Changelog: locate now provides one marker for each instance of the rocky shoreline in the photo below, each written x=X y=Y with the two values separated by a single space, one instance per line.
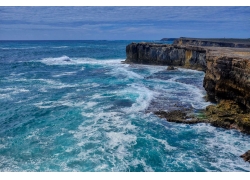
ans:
x=227 y=78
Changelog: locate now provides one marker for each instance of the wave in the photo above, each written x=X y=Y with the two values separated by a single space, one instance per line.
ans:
x=65 y=60
x=16 y=48
x=59 y=47
x=143 y=99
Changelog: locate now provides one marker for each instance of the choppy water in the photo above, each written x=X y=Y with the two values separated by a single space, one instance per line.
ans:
x=73 y=106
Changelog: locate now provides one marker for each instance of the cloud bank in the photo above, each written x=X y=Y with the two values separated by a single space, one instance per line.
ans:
x=133 y=23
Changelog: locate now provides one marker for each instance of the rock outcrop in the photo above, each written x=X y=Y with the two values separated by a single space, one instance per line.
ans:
x=222 y=42
x=164 y=54
x=228 y=75
x=227 y=81
x=180 y=116
x=246 y=156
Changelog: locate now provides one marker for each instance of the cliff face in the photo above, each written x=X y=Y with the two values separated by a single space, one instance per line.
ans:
x=163 y=54
x=227 y=81
x=237 y=43
x=228 y=75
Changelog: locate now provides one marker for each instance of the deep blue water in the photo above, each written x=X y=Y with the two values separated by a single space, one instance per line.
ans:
x=73 y=106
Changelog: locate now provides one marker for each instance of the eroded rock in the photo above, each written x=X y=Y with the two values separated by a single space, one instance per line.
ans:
x=246 y=156
x=229 y=114
x=170 y=68
x=165 y=54
x=180 y=116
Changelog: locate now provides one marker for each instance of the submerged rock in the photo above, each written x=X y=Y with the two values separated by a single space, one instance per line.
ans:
x=246 y=156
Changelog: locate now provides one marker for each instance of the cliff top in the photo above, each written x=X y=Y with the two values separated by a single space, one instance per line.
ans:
x=243 y=53
x=220 y=40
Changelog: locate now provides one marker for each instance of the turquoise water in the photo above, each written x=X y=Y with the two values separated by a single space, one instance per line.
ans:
x=73 y=106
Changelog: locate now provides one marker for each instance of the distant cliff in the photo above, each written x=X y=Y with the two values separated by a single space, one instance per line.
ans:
x=222 y=42
x=168 y=39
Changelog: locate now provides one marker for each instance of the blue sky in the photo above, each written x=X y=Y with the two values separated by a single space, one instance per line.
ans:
x=125 y=23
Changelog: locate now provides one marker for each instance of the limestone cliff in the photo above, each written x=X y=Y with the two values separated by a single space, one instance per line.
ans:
x=227 y=81
x=164 y=54
x=228 y=75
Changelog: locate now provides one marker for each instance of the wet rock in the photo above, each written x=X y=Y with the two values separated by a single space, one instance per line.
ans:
x=171 y=68
x=229 y=114
x=246 y=156
x=179 y=116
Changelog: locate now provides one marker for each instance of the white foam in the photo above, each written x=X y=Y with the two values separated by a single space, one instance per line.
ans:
x=100 y=130
x=119 y=138
x=7 y=93
x=59 y=47
x=136 y=162
x=53 y=104
x=125 y=72
x=5 y=96
x=14 y=90
x=57 y=61
x=65 y=74
x=90 y=104
x=65 y=60
x=163 y=142
x=143 y=100
x=151 y=68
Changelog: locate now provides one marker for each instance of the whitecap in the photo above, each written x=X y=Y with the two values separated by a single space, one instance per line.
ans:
x=65 y=60
x=144 y=97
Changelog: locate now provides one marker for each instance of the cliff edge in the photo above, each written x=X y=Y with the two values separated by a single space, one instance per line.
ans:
x=215 y=42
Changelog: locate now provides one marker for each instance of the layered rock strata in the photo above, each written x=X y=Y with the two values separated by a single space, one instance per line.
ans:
x=164 y=54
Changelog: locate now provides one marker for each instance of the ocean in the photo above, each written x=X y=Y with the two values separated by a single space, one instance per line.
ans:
x=74 y=106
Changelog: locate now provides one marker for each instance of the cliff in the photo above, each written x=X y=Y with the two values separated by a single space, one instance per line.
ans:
x=227 y=81
x=164 y=54
x=227 y=77
x=222 y=42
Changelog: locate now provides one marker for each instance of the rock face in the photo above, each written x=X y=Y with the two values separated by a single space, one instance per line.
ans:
x=164 y=54
x=228 y=75
x=246 y=156
x=237 y=43
x=227 y=81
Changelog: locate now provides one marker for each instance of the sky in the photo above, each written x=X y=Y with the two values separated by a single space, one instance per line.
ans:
x=123 y=22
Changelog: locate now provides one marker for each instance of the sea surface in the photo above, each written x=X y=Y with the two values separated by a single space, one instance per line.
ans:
x=74 y=106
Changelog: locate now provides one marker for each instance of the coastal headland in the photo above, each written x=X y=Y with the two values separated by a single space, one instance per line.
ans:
x=226 y=63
